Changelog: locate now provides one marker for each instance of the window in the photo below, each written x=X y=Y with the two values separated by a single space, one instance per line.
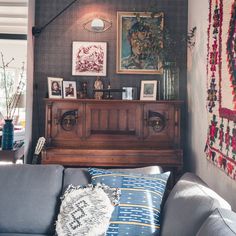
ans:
x=16 y=49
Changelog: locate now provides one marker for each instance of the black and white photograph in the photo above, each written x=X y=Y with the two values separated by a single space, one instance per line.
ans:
x=55 y=87
x=69 y=89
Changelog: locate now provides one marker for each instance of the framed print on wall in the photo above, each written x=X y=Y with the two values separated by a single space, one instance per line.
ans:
x=89 y=58
x=69 y=89
x=55 y=87
x=148 y=90
x=139 y=35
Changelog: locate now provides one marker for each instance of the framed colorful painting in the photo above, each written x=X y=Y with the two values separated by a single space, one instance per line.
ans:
x=89 y=58
x=139 y=35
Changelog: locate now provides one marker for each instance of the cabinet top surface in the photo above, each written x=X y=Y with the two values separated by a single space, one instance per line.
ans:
x=112 y=101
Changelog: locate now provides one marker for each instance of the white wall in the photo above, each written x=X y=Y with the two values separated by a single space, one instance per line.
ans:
x=197 y=112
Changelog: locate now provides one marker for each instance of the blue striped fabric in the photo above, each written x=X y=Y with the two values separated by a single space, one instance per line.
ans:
x=141 y=195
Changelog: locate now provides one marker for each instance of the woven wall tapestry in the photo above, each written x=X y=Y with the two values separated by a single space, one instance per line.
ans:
x=221 y=85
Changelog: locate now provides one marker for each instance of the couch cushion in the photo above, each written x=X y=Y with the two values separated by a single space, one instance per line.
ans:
x=29 y=198
x=189 y=204
x=221 y=222
x=86 y=210
x=141 y=195
x=80 y=176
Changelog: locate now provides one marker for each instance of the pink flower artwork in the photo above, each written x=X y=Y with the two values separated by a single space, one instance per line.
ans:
x=89 y=58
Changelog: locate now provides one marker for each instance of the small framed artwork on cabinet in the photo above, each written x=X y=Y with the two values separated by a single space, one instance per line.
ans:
x=55 y=87
x=69 y=90
x=148 y=90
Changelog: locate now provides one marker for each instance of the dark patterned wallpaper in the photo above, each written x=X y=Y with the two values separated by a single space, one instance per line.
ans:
x=53 y=48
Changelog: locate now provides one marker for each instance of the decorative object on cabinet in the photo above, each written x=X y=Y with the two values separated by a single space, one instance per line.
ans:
x=137 y=35
x=97 y=24
x=170 y=81
x=55 y=87
x=148 y=90
x=98 y=85
x=89 y=58
x=129 y=93
x=83 y=91
x=114 y=133
x=108 y=91
x=69 y=89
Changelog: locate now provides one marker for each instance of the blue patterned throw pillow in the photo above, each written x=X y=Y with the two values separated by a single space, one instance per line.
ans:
x=141 y=195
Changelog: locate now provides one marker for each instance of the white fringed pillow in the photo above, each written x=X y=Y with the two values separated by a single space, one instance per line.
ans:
x=86 y=210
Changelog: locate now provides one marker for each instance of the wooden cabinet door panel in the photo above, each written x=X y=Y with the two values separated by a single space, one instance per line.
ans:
x=113 y=119
x=170 y=115
x=65 y=121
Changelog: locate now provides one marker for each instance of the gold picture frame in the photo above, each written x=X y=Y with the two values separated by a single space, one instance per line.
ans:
x=137 y=32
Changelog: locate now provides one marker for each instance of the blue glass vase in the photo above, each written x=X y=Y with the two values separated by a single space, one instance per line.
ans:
x=7 y=135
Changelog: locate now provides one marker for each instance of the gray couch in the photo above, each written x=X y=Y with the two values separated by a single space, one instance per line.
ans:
x=30 y=199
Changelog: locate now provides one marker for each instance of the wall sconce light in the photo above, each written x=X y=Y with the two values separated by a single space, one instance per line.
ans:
x=97 y=25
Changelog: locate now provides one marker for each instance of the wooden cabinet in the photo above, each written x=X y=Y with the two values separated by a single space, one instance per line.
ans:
x=113 y=133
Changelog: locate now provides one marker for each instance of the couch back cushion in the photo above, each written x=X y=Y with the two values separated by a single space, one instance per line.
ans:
x=80 y=176
x=188 y=205
x=221 y=222
x=29 y=198
x=75 y=176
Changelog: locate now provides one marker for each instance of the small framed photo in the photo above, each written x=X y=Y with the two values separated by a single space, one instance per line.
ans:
x=148 y=90
x=69 y=89
x=89 y=58
x=55 y=87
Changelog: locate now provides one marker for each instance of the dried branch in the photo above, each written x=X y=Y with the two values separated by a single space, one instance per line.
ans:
x=11 y=102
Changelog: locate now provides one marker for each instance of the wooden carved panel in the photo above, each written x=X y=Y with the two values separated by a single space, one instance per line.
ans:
x=161 y=123
x=112 y=119
x=65 y=122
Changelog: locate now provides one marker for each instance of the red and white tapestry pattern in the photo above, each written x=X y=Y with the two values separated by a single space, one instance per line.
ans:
x=221 y=84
